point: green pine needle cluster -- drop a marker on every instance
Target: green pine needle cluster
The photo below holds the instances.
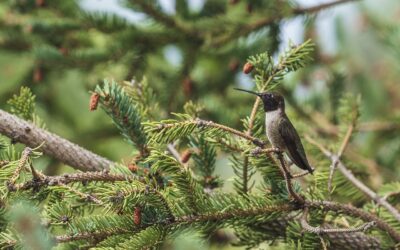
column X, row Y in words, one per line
column 23, row 105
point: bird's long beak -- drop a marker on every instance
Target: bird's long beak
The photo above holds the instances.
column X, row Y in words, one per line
column 248, row 91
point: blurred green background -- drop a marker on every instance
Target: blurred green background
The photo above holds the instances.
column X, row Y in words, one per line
column 63, row 49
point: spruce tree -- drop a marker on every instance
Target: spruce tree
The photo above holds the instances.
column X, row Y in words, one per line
column 183, row 124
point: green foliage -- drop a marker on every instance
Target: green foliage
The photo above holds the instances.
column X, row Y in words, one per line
column 181, row 177
column 349, row 109
column 159, row 197
column 23, row 104
column 268, row 75
column 144, row 98
column 117, row 104
column 170, row 130
column 151, row 237
column 205, row 156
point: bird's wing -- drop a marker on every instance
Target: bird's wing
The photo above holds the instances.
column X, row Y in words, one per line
column 293, row 144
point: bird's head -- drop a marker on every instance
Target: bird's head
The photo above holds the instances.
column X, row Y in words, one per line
column 272, row 101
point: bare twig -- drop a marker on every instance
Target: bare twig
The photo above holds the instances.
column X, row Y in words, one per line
column 378, row 126
column 336, row 158
column 355, row 212
column 304, row 173
column 372, row 166
column 90, row 235
column 359, row 240
column 346, row 140
column 24, row 158
column 357, row 183
column 320, row 230
column 88, row 197
column 55, row 146
column 104, row 176
column 288, row 177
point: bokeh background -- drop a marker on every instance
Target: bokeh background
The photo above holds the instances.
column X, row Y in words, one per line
column 63, row 49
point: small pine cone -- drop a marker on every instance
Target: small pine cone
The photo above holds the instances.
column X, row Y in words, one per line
column 37, row 74
column 247, row 68
column 187, row 84
column 133, row 167
column 40, row 3
column 137, row 216
column 28, row 28
column 249, row 8
column 94, row 101
column 185, row 157
column 125, row 120
column 234, row 65
column 63, row 51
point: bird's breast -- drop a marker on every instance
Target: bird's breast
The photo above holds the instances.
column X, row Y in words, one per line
column 272, row 119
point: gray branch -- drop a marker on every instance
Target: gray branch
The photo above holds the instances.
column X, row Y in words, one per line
column 366, row 190
column 356, row 182
column 63, row 150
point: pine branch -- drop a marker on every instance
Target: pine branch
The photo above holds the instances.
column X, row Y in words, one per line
column 167, row 132
column 61, row 149
column 89, row 235
column 320, row 230
column 355, row 212
column 162, row 18
column 337, row 240
column 125, row 114
column 103, row 176
column 339, row 154
column 378, row 126
column 357, row 183
column 219, row 217
column 288, row 177
column 22, row 162
column 268, row 20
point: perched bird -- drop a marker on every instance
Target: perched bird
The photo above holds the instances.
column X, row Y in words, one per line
column 280, row 131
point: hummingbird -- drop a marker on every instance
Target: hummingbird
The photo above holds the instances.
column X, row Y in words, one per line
column 280, row 131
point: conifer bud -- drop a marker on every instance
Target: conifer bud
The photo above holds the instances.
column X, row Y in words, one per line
column 234, row 65
column 133, row 167
column 185, row 157
column 137, row 216
column 37, row 74
column 249, row 8
column 94, row 101
column 187, row 84
column 64, row 51
column 247, row 68
column 39, row 3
